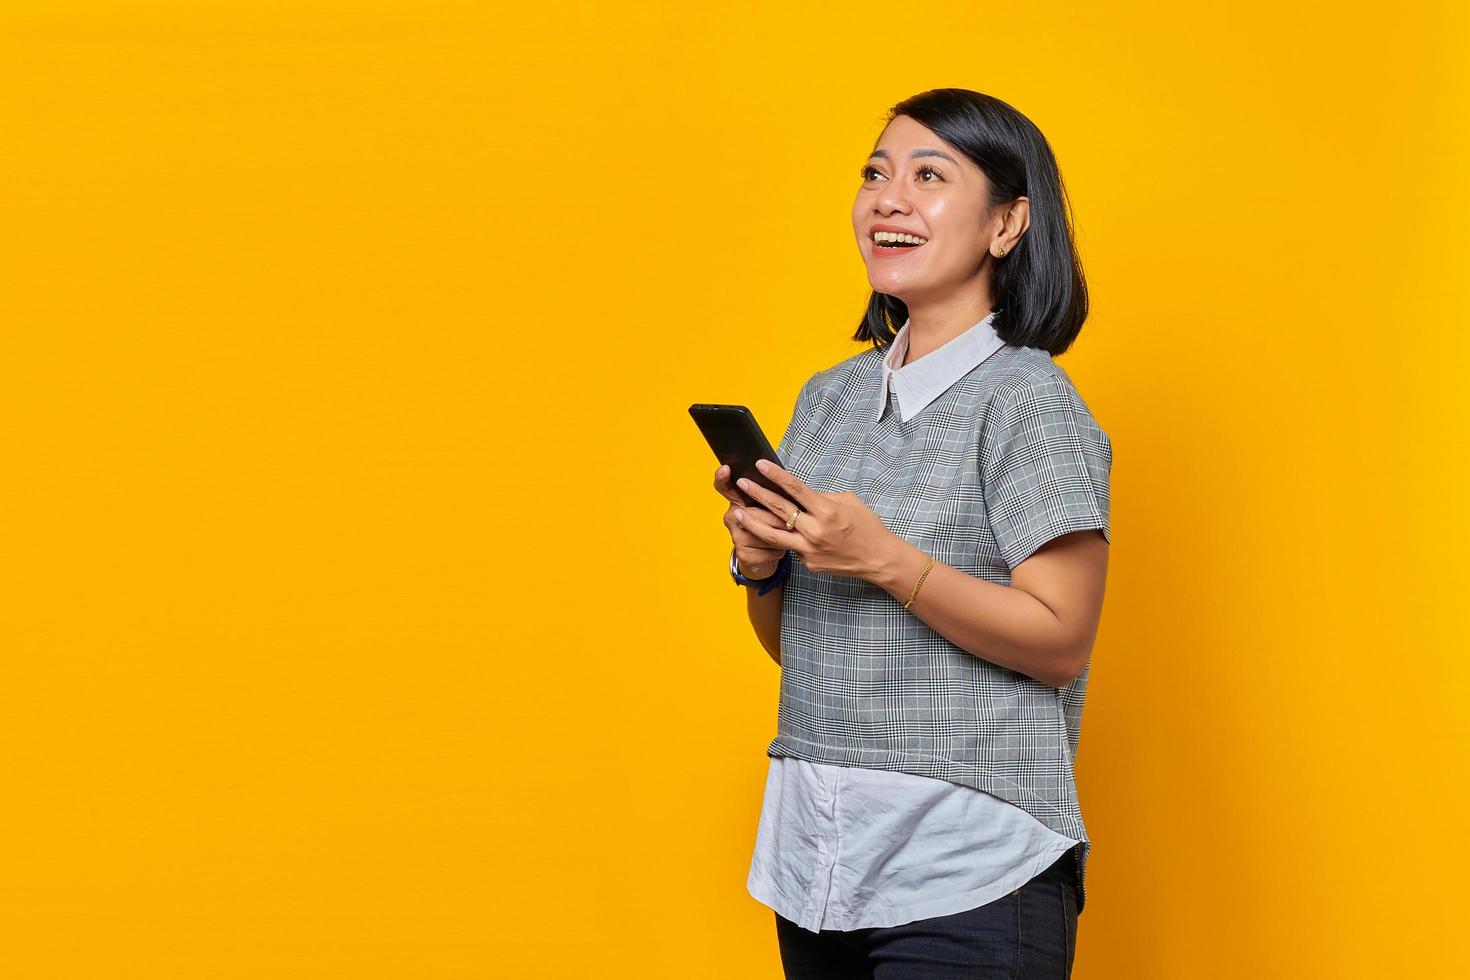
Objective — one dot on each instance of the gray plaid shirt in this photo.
(1005, 459)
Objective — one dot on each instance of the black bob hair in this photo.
(1040, 295)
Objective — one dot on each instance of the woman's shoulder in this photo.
(846, 372)
(1028, 383)
(1024, 373)
(1012, 367)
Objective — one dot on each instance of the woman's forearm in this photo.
(998, 623)
(765, 615)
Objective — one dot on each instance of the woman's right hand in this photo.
(756, 559)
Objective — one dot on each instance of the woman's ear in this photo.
(1017, 220)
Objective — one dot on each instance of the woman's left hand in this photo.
(836, 533)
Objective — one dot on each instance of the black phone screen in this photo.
(737, 441)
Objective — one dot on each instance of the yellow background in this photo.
(365, 595)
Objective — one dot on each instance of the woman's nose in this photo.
(893, 200)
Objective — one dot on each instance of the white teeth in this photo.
(893, 236)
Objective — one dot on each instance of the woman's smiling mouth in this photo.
(889, 241)
(888, 248)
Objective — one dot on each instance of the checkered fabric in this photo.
(1002, 461)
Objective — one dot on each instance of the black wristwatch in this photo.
(765, 584)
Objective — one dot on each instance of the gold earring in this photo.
(1000, 253)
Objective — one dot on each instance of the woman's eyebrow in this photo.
(918, 153)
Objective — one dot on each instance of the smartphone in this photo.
(737, 440)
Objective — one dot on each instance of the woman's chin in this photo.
(899, 287)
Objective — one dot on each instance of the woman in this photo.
(930, 577)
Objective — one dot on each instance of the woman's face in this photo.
(916, 183)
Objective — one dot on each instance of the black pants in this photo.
(1028, 934)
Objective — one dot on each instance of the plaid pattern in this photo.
(1002, 461)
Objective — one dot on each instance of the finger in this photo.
(773, 502)
(791, 485)
(773, 537)
(723, 486)
(743, 516)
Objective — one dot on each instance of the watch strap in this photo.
(764, 585)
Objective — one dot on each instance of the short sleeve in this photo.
(797, 426)
(1044, 467)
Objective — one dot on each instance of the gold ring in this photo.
(791, 523)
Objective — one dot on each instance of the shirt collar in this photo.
(920, 382)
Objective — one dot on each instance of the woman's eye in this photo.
(868, 173)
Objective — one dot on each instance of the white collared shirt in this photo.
(842, 847)
(918, 383)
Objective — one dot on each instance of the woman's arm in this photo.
(765, 615)
(1043, 624)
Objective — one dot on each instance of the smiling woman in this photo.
(944, 517)
(1000, 197)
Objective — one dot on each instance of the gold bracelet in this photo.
(920, 581)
